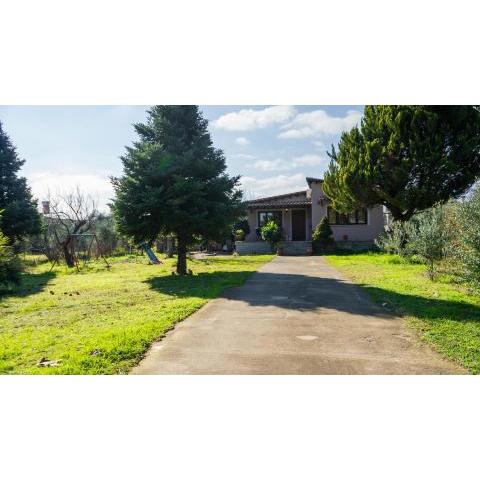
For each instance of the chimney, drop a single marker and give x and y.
(46, 207)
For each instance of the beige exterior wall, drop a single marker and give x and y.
(358, 233)
(353, 233)
(318, 211)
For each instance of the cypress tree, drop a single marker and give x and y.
(405, 157)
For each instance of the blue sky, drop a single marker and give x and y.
(273, 147)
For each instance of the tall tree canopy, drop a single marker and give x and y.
(18, 210)
(405, 157)
(174, 181)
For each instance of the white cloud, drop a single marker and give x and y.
(98, 186)
(277, 185)
(279, 164)
(271, 165)
(242, 141)
(309, 160)
(243, 156)
(319, 122)
(249, 119)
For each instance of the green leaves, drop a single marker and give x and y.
(174, 180)
(405, 157)
(322, 236)
(271, 233)
(20, 216)
(10, 266)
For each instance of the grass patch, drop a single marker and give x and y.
(446, 315)
(101, 321)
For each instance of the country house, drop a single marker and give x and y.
(298, 213)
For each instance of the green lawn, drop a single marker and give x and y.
(446, 315)
(101, 321)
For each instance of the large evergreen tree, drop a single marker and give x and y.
(19, 215)
(174, 181)
(405, 157)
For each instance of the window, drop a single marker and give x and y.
(357, 217)
(264, 217)
(362, 215)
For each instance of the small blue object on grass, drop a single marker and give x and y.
(151, 255)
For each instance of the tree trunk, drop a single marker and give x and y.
(69, 260)
(182, 255)
(170, 246)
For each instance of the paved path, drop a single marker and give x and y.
(296, 315)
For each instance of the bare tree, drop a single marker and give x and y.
(70, 215)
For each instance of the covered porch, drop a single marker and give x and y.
(293, 212)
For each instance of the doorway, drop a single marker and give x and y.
(299, 231)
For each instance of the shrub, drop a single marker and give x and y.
(239, 234)
(322, 236)
(469, 237)
(10, 266)
(429, 237)
(242, 225)
(271, 233)
(395, 239)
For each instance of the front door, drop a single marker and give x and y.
(298, 225)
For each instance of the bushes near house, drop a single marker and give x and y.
(239, 234)
(243, 225)
(271, 233)
(322, 237)
(395, 239)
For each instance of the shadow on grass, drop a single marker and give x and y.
(426, 308)
(205, 285)
(31, 283)
(308, 293)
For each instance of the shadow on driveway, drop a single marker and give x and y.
(305, 292)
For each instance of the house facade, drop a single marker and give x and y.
(298, 214)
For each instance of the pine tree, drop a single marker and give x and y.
(19, 215)
(10, 267)
(405, 157)
(174, 182)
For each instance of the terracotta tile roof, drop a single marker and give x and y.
(295, 199)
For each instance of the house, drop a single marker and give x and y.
(298, 213)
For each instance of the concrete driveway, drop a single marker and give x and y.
(296, 315)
